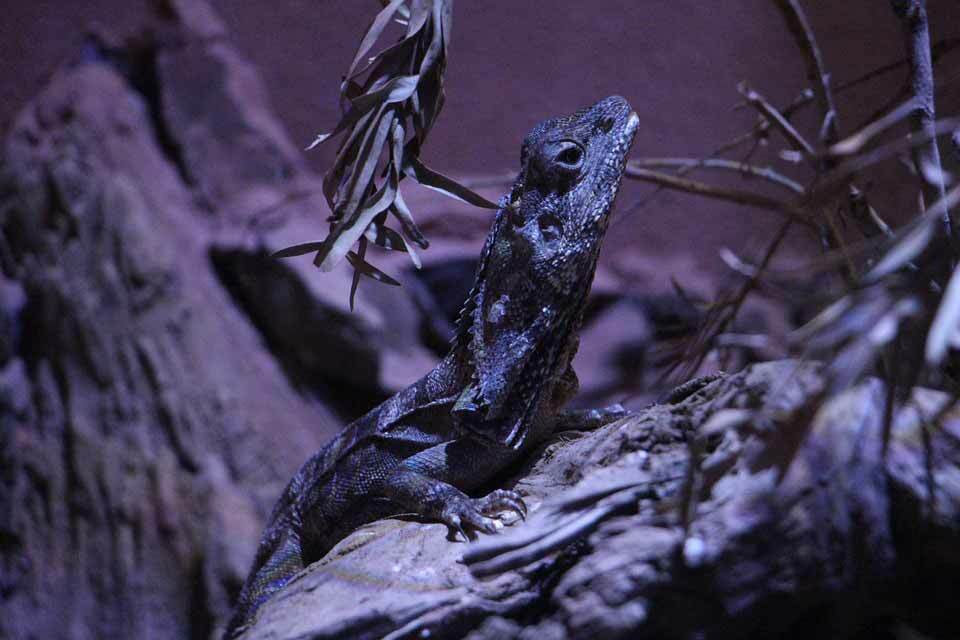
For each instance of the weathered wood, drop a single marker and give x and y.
(840, 543)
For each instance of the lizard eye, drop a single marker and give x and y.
(570, 155)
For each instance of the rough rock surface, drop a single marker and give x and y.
(821, 539)
(145, 424)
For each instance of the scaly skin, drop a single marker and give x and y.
(500, 390)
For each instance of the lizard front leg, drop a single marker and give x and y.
(429, 483)
(578, 420)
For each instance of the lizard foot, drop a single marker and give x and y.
(474, 514)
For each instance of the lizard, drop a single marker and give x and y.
(500, 390)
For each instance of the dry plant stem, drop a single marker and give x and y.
(779, 122)
(856, 142)
(718, 326)
(839, 178)
(816, 73)
(744, 169)
(721, 193)
(938, 50)
(724, 148)
(913, 19)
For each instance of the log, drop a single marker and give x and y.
(627, 539)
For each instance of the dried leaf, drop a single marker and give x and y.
(402, 213)
(355, 281)
(356, 213)
(334, 179)
(385, 237)
(904, 251)
(419, 13)
(389, 240)
(945, 322)
(439, 182)
(396, 90)
(373, 33)
(365, 268)
(344, 235)
(404, 80)
(414, 257)
(853, 144)
(434, 51)
(297, 250)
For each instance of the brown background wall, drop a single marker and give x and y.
(515, 63)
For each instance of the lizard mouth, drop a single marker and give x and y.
(633, 121)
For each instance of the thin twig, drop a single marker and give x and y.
(765, 173)
(865, 215)
(729, 309)
(729, 194)
(830, 183)
(853, 144)
(727, 146)
(816, 72)
(778, 120)
(938, 50)
(916, 31)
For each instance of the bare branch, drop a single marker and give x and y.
(765, 173)
(740, 196)
(724, 312)
(865, 215)
(837, 179)
(778, 120)
(853, 144)
(816, 72)
(916, 32)
(938, 50)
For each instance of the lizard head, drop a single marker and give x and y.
(571, 168)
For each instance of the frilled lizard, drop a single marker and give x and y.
(498, 392)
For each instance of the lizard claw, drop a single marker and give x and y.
(504, 500)
(454, 522)
(469, 515)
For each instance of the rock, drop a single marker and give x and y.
(12, 301)
(440, 288)
(781, 542)
(315, 343)
(146, 427)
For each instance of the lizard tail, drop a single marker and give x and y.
(278, 561)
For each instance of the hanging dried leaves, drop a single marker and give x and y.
(392, 100)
